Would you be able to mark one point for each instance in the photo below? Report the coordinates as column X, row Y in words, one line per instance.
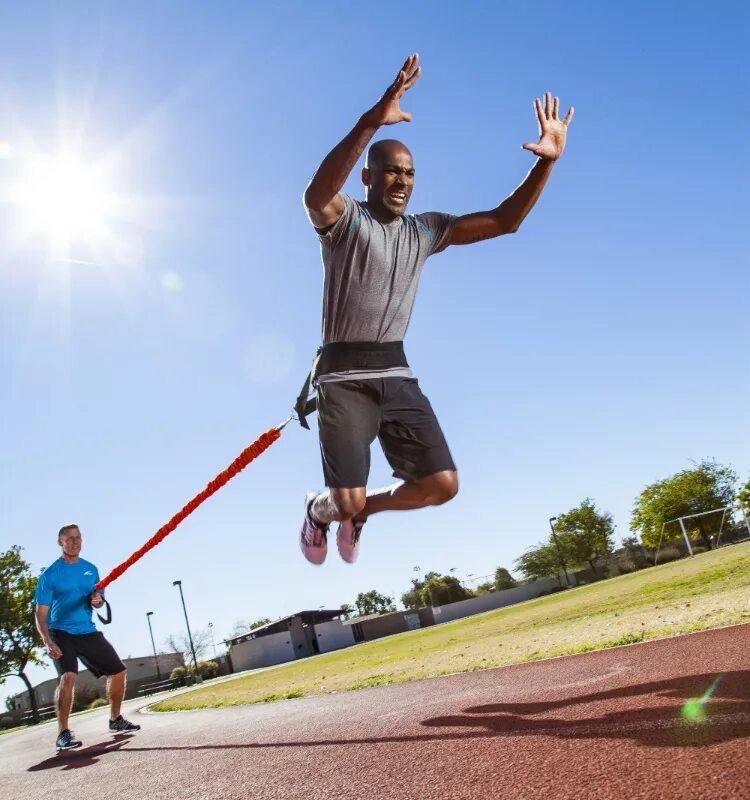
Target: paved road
column 600, row 725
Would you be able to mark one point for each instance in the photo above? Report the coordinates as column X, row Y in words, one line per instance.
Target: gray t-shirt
column 371, row 274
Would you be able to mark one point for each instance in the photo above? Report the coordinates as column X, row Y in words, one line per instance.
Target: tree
column 373, row 602
column 705, row 487
column 347, row 610
column 181, row 644
column 243, row 626
column 485, row 588
column 504, row 580
column 540, row 562
column 442, row 589
column 19, row 640
column 744, row 495
column 585, row 534
column 413, row 598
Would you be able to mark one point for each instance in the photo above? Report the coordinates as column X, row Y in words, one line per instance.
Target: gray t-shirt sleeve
column 331, row 236
column 439, row 227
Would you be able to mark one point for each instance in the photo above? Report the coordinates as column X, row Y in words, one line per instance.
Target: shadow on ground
column 695, row 710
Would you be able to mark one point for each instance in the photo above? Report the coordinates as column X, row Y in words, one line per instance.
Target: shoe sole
column 308, row 498
column 343, row 557
column 355, row 551
column 69, row 747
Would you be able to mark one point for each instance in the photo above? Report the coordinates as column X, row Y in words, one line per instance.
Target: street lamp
column 559, row 552
column 156, row 658
column 213, row 643
column 178, row 584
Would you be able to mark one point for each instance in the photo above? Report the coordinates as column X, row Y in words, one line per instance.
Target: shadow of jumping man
column 85, row 757
column 694, row 710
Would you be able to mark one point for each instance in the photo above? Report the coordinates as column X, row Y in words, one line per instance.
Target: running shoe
column 347, row 539
column 313, row 539
column 121, row 725
column 66, row 740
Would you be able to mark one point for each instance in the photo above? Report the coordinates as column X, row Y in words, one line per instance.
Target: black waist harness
column 345, row 356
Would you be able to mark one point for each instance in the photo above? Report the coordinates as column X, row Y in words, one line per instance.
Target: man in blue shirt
column 65, row 594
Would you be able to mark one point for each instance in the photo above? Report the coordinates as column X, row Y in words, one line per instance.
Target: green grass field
column 707, row 591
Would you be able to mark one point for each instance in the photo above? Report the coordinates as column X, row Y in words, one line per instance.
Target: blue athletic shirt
column 67, row 589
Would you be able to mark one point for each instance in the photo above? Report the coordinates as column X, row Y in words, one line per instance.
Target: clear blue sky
column 602, row 347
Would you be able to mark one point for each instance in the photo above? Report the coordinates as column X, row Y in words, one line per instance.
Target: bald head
column 385, row 150
column 388, row 176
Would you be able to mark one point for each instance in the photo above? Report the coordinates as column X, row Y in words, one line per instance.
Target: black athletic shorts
column 352, row 413
column 94, row 651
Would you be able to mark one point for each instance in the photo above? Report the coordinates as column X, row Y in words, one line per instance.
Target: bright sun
column 65, row 200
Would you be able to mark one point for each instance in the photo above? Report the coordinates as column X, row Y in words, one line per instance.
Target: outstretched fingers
column 569, row 116
column 539, row 112
column 409, row 73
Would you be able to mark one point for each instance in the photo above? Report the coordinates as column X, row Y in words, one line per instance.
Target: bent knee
column 68, row 679
column 445, row 487
column 348, row 502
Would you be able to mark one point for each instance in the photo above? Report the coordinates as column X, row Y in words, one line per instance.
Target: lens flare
column 694, row 710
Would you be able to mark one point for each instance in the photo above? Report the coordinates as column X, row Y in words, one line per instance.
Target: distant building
column 299, row 635
column 140, row 671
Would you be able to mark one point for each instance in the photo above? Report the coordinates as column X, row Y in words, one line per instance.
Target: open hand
column 387, row 110
column 552, row 131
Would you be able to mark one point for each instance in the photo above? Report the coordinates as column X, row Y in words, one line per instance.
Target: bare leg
column 115, row 692
column 64, row 699
column 335, row 505
column 432, row 490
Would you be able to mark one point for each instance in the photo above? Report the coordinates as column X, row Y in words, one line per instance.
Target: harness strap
column 342, row 357
column 105, row 620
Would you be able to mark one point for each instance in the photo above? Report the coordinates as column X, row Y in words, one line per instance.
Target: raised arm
column 322, row 200
column 509, row 215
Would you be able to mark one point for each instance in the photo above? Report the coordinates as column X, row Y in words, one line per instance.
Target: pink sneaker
column 313, row 539
column 347, row 539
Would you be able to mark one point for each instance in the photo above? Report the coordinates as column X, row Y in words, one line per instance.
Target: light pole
column 559, row 552
column 178, row 584
column 213, row 643
column 156, row 658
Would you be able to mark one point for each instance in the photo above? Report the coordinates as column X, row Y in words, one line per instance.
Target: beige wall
column 264, row 651
column 140, row 670
column 333, row 635
column 488, row 602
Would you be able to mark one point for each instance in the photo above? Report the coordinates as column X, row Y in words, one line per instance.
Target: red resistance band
column 245, row 457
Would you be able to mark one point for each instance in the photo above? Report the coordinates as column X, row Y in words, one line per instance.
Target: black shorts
column 352, row 413
column 94, row 651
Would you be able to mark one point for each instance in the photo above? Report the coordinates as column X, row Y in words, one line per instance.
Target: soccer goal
column 706, row 529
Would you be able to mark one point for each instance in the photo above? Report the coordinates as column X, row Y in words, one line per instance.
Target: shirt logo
column 88, row 572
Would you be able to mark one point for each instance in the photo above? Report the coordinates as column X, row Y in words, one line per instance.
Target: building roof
column 282, row 624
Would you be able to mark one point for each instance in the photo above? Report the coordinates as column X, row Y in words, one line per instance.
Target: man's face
column 390, row 181
column 70, row 542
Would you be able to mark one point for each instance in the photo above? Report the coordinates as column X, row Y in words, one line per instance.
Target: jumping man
column 65, row 595
column 373, row 253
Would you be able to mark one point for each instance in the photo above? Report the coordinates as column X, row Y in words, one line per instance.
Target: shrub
column 669, row 553
column 626, row 565
column 178, row 674
column 99, row 702
column 613, row 570
column 208, row 669
column 83, row 697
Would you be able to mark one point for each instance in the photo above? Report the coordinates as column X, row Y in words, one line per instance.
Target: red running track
column 600, row 725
